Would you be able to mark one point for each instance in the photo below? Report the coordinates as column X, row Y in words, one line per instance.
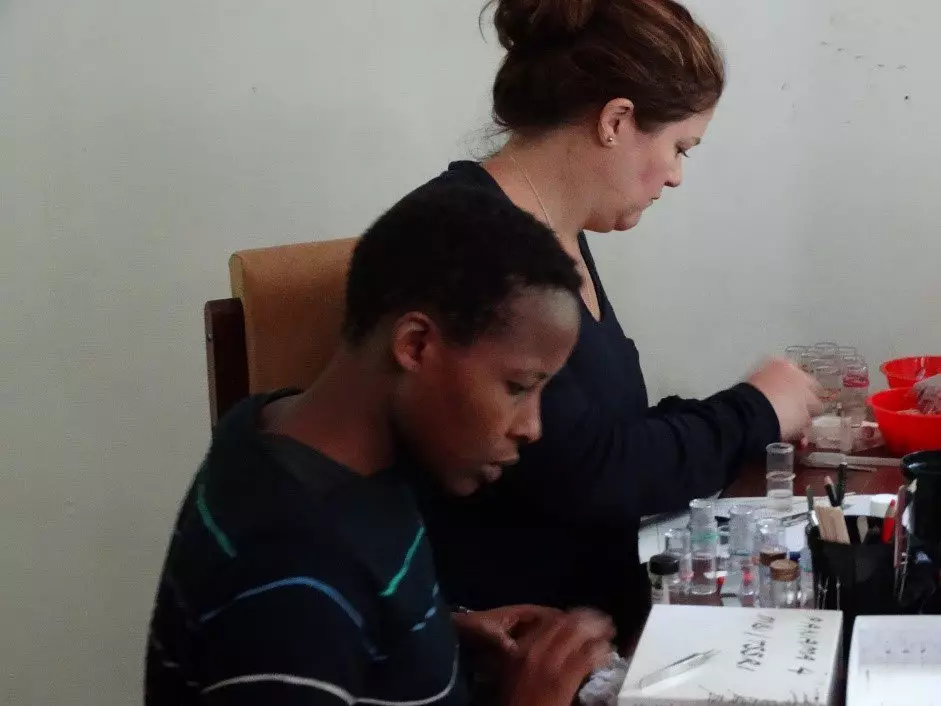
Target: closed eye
column 516, row 389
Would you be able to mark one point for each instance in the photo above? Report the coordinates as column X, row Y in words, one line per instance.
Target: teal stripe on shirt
column 210, row 523
column 397, row 579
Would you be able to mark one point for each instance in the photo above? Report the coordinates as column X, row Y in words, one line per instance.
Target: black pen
column 841, row 483
column 831, row 494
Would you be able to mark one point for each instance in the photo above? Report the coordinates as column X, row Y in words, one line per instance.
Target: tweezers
column 681, row 666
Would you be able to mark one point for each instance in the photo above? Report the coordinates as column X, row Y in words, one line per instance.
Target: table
column 751, row 482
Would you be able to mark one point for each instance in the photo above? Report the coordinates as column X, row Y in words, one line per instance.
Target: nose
column 675, row 177
column 527, row 426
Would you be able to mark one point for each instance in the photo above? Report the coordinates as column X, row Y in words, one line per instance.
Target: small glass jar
column 785, row 584
column 795, row 353
column 665, row 583
column 855, row 391
column 766, row 558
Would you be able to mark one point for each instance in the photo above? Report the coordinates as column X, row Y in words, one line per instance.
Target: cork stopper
column 784, row 570
column 769, row 556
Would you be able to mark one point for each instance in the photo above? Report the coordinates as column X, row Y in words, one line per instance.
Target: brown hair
column 568, row 57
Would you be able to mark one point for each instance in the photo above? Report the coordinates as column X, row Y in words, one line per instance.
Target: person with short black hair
column 298, row 571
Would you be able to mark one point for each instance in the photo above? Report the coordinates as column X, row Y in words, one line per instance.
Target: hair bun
column 531, row 24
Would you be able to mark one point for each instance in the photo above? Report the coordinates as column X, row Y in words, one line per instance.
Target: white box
column 765, row 656
column 895, row 659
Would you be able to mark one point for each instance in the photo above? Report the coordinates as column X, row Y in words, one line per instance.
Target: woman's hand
column 499, row 628
column 556, row 656
column 793, row 394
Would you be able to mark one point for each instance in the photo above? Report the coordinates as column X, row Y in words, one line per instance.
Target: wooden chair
column 282, row 323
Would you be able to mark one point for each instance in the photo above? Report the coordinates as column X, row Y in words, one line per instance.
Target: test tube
column 795, row 353
column 780, row 476
column 780, row 490
column 844, row 352
column 826, row 350
column 677, row 543
column 741, row 578
column 780, row 457
column 828, row 375
column 723, row 551
column 770, row 546
column 704, row 538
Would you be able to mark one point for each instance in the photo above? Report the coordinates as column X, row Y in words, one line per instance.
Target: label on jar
column 702, row 536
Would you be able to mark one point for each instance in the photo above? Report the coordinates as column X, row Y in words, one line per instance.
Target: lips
column 491, row 472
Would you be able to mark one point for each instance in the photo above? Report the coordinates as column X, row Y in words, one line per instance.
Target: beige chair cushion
column 293, row 299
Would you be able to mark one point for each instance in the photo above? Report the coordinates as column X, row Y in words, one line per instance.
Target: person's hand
column 499, row 628
column 555, row 658
column 793, row 394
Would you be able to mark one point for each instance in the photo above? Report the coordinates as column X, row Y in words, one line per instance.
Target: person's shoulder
column 462, row 174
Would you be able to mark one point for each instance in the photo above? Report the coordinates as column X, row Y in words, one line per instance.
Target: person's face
column 464, row 411
column 636, row 166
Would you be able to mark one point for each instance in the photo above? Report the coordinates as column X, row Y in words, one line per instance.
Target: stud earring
column 610, row 139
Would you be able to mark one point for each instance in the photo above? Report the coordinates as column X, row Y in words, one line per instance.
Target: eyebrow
column 697, row 141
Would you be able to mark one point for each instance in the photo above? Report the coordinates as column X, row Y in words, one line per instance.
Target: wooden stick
column 832, row 525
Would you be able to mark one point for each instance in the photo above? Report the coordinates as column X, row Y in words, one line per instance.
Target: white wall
column 809, row 213
column 140, row 143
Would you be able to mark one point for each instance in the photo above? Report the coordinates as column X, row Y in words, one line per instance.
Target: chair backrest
column 293, row 302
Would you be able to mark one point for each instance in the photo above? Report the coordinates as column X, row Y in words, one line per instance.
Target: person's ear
column 414, row 337
column 615, row 121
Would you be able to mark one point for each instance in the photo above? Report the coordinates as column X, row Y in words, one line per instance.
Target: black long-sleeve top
column 560, row 528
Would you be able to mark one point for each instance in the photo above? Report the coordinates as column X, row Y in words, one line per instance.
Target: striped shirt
column 292, row 580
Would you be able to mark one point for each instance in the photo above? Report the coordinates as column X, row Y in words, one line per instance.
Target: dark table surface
column 886, row 479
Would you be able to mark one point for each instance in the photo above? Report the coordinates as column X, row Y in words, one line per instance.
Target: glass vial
column 704, row 539
column 741, row 579
column 677, row 543
column 785, row 583
column 766, row 558
column 665, row 583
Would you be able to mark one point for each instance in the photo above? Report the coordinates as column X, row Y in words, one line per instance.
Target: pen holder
column 856, row 578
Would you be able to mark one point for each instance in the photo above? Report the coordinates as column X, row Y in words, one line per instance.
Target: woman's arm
column 592, row 465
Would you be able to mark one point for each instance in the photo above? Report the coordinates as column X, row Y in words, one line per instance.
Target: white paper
column 766, row 656
column 894, row 660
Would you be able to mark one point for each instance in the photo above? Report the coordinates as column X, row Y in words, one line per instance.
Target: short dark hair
column 566, row 58
column 457, row 253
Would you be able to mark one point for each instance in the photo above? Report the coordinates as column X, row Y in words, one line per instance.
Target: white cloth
column 603, row 687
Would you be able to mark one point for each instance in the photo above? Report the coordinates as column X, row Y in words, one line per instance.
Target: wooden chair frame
column 226, row 356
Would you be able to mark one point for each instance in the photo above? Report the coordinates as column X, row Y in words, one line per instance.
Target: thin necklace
column 529, row 181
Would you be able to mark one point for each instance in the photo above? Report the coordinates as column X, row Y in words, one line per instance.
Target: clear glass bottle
column 704, row 540
column 677, row 543
column 741, row 579
column 665, row 583
column 855, row 391
column 785, row 583
column 766, row 558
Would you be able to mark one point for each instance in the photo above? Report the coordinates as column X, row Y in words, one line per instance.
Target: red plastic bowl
column 904, row 372
column 904, row 433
